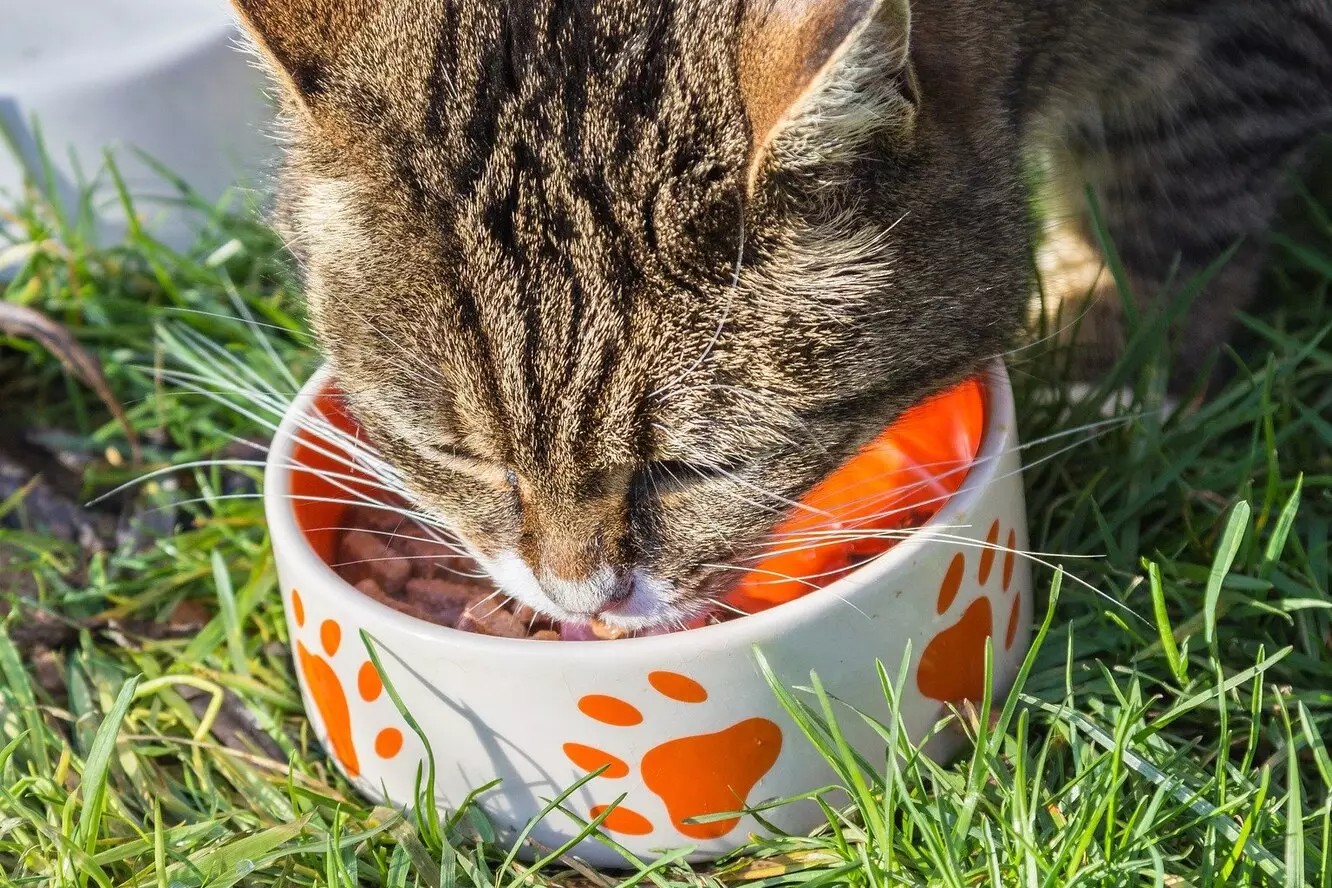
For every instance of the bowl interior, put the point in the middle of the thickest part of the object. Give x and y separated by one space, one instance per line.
896 483
326 475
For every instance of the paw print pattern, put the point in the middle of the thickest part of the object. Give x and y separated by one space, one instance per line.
952 667
693 776
330 697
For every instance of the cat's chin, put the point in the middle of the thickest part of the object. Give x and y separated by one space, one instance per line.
648 610
648 607
642 613
644 617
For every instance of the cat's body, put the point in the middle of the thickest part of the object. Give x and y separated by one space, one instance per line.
613 282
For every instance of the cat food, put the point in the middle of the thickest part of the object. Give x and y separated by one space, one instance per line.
397 562
892 486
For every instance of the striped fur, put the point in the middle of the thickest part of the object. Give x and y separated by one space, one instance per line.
612 280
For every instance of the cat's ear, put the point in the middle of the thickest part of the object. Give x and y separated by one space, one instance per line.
835 64
302 39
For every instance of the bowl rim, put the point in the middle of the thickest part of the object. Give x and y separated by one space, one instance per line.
290 545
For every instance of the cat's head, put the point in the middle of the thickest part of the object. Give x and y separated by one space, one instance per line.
614 282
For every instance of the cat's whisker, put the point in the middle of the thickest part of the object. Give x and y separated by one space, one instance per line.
393 535
781 577
271 398
447 544
335 478
171 469
786 501
417 517
355 454
814 535
206 346
176 309
778 575
179 391
477 604
955 467
239 304
1013 353
725 605
806 579
1041 558
399 558
275 399
269 394
496 609
944 497
436 377
347 450
268 399
321 429
929 533
262 402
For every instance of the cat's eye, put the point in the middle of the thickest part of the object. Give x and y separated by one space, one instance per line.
712 173
459 460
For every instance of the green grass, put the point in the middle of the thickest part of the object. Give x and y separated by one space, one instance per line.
1171 727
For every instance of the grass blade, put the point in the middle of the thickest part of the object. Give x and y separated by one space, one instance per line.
92 783
1225 558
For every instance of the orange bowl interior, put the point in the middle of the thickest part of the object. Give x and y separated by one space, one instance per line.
321 480
896 483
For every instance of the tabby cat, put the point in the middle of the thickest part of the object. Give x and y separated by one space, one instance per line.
613 282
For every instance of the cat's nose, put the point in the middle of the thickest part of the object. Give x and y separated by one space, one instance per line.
574 570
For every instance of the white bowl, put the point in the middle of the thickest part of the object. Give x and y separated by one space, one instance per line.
686 720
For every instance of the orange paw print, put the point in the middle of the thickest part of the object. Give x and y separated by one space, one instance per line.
952 667
694 776
331 698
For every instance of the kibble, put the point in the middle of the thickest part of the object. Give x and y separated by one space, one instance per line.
364 555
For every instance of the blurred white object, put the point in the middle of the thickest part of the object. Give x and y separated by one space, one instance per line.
161 76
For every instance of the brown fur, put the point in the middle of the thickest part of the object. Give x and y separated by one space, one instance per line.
612 281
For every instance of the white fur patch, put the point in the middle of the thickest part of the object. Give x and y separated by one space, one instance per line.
586 596
649 605
515 579
324 208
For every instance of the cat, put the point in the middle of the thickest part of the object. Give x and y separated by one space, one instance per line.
614 282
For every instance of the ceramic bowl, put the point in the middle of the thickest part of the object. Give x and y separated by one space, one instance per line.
685 723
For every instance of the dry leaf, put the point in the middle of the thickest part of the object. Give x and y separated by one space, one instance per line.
20 320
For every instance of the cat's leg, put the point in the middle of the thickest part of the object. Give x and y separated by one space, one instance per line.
1182 175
